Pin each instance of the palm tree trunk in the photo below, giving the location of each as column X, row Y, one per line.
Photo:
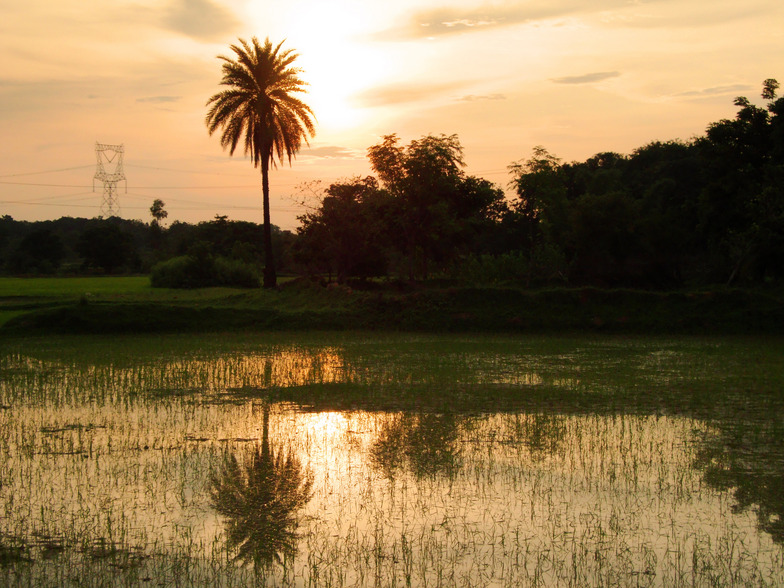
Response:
column 270, row 278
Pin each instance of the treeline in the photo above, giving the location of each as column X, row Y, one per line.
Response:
column 81, row 246
column 671, row 214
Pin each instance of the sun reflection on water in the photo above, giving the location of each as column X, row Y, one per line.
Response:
column 145, row 464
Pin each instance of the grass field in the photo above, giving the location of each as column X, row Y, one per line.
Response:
column 130, row 304
column 110, row 288
column 19, row 296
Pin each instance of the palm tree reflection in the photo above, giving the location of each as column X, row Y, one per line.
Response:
column 425, row 443
column 260, row 496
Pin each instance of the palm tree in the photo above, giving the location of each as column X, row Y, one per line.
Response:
column 260, row 108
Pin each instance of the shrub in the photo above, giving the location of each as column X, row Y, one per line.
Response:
column 200, row 272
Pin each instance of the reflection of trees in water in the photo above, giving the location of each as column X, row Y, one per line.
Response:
column 260, row 496
column 424, row 443
column 542, row 433
column 748, row 460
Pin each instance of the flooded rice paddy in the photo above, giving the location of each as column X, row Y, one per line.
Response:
column 391, row 460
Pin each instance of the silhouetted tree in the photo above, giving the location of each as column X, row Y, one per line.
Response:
column 158, row 212
column 261, row 109
column 106, row 246
column 347, row 232
column 39, row 251
column 539, row 217
column 742, row 204
column 432, row 199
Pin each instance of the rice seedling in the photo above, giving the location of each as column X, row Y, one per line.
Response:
column 391, row 460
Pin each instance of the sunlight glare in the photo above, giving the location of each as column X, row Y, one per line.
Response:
column 335, row 62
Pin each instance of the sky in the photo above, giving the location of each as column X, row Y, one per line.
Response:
column 576, row 76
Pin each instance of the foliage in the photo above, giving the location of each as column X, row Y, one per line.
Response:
column 669, row 215
column 39, row 252
column 420, row 214
column 261, row 109
column 107, row 247
column 158, row 212
column 346, row 235
column 200, row 269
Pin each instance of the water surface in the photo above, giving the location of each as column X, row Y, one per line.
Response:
column 391, row 460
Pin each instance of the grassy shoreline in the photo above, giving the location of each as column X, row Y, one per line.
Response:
column 129, row 304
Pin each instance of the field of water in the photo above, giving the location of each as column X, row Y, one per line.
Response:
column 356, row 459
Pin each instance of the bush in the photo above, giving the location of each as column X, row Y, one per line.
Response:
column 491, row 269
column 200, row 272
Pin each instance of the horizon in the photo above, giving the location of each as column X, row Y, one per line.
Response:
column 578, row 80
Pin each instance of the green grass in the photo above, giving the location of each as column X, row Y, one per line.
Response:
column 129, row 304
column 70, row 287
column 123, row 288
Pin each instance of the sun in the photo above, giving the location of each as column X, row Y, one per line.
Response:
column 336, row 61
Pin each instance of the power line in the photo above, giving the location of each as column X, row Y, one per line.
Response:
column 184, row 171
column 215, row 207
column 136, row 187
column 48, row 171
column 46, row 185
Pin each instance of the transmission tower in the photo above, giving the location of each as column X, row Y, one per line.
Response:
column 110, row 172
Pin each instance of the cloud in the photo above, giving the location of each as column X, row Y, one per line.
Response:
column 200, row 19
column 474, row 98
column 587, row 78
column 450, row 21
column 694, row 14
column 401, row 94
column 159, row 99
column 330, row 152
column 447, row 20
column 716, row 91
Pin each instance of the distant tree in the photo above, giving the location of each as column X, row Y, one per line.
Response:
column 156, row 229
column 6, row 227
column 537, row 221
column 106, row 246
column 40, row 251
column 157, row 211
column 227, row 238
column 259, row 107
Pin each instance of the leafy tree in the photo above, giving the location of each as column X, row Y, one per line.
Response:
column 538, row 220
column 106, row 246
column 39, row 251
column 433, row 201
column 541, row 193
column 260, row 107
column 157, row 211
column 741, row 196
column 346, row 232
column 156, row 230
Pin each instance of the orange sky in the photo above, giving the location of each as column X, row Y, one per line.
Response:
column 575, row 76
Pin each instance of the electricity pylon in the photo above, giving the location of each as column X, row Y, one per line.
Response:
column 110, row 172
